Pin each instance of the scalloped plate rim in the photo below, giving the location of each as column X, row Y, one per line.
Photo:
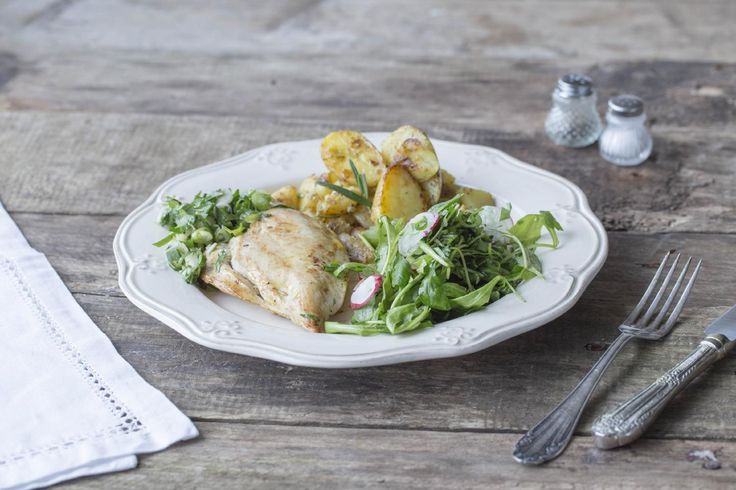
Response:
column 409, row 353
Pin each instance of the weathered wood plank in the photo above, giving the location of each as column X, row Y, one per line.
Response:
column 108, row 164
column 262, row 456
column 503, row 29
column 471, row 91
column 478, row 392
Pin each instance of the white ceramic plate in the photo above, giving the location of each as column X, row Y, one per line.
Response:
column 226, row 323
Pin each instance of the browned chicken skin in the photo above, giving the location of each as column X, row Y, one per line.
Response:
column 279, row 264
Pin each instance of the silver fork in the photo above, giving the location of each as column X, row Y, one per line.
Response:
column 547, row 439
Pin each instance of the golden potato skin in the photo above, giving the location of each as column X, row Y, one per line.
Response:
column 317, row 200
column 339, row 147
column 398, row 195
column 287, row 195
column 432, row 189
column 412, row 148
column 475, row 198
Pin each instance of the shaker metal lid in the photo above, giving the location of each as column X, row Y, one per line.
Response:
column 574, row 85
column 626, row 105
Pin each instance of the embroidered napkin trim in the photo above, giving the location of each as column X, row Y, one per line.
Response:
column 129, row 423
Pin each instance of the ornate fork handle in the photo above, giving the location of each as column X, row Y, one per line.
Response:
column 550, row 436
column 631, row 419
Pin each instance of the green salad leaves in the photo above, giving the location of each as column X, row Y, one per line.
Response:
column 205, row 221
column 444, row 263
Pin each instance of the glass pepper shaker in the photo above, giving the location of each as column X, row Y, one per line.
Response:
column 625, row 141
column 573, row 120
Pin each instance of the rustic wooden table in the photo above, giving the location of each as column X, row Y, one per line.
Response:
column 102, row 101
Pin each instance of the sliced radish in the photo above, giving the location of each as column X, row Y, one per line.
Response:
column 365, row 290
column 425, row 223
column 420, row 226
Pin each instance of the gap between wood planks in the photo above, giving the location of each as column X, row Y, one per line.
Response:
column 469, row 430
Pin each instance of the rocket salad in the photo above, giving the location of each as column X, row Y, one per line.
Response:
column 446, row 262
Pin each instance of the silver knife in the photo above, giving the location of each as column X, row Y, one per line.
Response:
column 631, row 419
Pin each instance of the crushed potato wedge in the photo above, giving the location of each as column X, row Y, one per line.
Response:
column 398, row 195
column 412, row 148
column 475, row 198
column 340, row 147
column 432, row 189
column 287, row 195
column 317, row 200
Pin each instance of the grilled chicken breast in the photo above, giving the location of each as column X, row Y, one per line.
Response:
column 279, row 264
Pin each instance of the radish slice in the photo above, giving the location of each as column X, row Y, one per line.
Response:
column 420, row 226
column 365, row 290
column 425, row 223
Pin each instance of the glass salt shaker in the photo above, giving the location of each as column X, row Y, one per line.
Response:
column 625, row 141
column 573, row 119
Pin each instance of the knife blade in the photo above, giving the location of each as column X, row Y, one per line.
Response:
column 725, row 325
column 629, row 421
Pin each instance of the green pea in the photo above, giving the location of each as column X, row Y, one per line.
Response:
column 223, row 234
column 202, row 236
column 261, row 200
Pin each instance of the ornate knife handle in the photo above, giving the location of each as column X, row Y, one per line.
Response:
column 550, row 436
column 631, row 419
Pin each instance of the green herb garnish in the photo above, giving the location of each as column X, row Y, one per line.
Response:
column 456, row 269
column 362, row 198
column 204, row 221
column 310, row 316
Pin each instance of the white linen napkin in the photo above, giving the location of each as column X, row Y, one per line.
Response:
column 70, row 406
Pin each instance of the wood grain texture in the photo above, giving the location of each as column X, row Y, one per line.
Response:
column 108, row 164
column 472, row 91
column 266, row 456
column 538, row 29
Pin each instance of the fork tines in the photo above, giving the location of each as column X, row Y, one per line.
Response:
column 639, row 322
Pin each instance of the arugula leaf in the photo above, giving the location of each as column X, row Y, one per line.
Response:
column 359, row 267
column 432, row 293
column 354, row 329
column 477, row 298
column 529, row 229
column 406, row 318
column 453, row 290
column 401, row 273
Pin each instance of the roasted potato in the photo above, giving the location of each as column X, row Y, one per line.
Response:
column 317, row 200
column 475, row 198
column 432, row 189
column 287, row 195
column 411, row 147
column 339, row 147
column 309, row 195
column 398, row 195
column 449, row 188
column 362, row 217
